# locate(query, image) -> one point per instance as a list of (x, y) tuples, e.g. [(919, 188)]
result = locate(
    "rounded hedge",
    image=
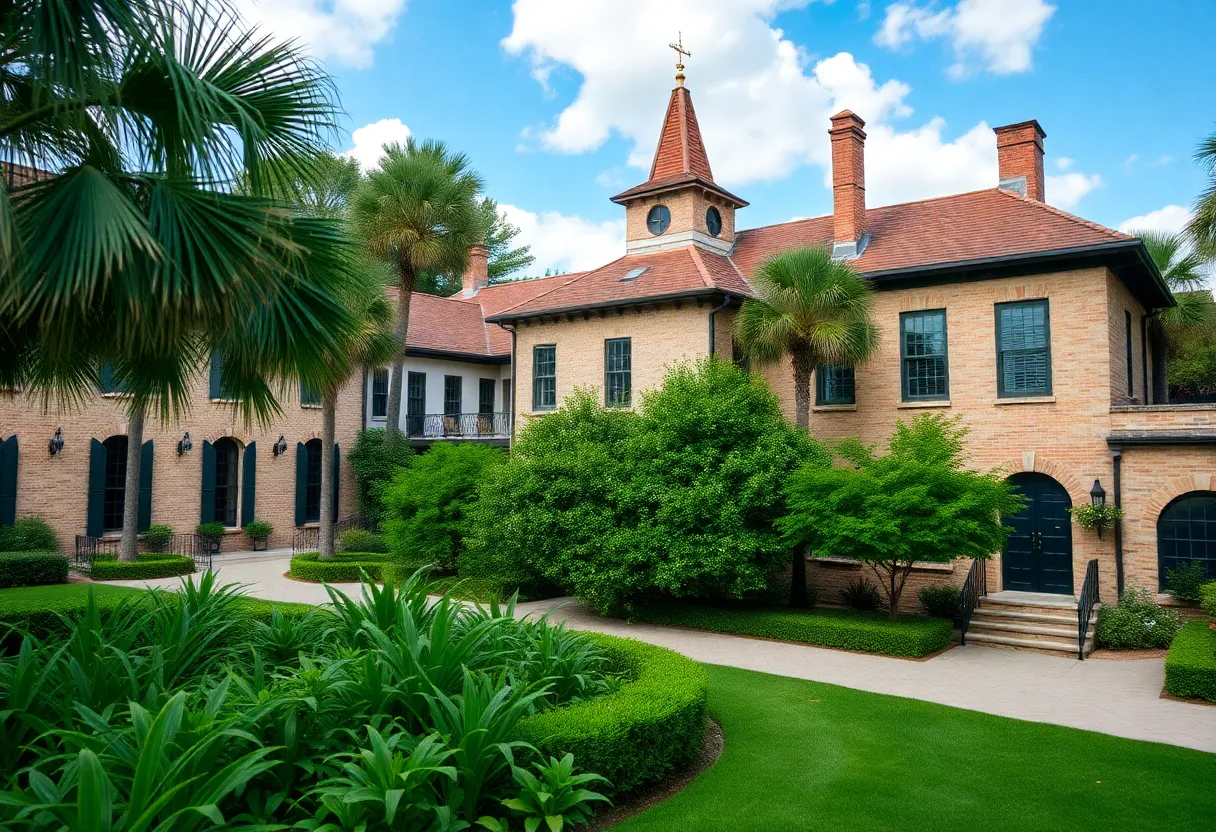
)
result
[(144, 567), (32, 568), (653, 725), (346, 567), (1190, 665)]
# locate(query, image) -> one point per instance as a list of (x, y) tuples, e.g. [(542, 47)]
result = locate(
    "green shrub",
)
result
[(866, 632), (28, 534), (32, 568), (345, 567), (213, 529), (1185, 579), (941, 601), (861, 595), (1207, 598), (257, 529), (145, 567), (157, 537), (361, 540), (1190, 665), (652, 725), (375, 460), (1137, 622)]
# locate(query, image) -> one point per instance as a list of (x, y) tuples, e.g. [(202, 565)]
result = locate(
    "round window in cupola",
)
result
[(713, 221), (658, 219)]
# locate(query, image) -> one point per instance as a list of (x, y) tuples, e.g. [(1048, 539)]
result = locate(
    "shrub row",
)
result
[(28, 534), (345, 567), (653, 725), (144, 567), (1190, 665), (32, 568), (1207, 598), (911, 636)]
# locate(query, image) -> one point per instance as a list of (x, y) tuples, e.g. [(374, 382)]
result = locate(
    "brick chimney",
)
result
[(848, 184), (1019, 153), (477, 275)]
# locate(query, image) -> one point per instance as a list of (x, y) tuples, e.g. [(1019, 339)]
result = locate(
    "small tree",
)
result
[(915, 503)]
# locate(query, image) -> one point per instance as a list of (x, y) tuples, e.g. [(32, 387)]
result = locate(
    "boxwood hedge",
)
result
[(144, 567), (652, 725), (345, 567), (1207, 598), (1190, 665), (32, 568), (867, 632)]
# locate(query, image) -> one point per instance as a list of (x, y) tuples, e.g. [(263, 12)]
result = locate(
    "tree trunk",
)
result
[(326, 532), (392, 428), (798, 597), (129, 544), (1160, 372), (803, 366)]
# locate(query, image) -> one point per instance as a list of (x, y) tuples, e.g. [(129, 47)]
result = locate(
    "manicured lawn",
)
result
[(56, 596), (808, 756)]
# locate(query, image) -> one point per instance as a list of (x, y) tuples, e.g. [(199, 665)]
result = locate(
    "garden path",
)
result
[(1122, 698)]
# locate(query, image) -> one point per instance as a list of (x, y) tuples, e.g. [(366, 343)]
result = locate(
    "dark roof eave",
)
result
[(707, 291), (1117, 442), (453, 355), (639, 191)]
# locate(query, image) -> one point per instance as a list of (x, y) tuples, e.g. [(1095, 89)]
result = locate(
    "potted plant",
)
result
[(1098, 517), (258, 531), (157, 537), (211, 533)]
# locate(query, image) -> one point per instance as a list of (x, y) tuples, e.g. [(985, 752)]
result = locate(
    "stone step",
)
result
[(999, 614), (1054, 646), (1054, 631)]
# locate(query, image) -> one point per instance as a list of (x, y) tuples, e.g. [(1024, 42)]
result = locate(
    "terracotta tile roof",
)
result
[(17, 175), (499, 296), (680, 149)]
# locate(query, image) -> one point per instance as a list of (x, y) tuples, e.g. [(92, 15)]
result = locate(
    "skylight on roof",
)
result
[(634, 274)]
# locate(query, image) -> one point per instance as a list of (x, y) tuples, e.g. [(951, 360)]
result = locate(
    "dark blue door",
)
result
[(1038, 557)]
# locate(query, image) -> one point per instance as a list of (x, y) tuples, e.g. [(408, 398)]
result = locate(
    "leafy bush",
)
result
[(375, 460), (258, 529), (1185, 579), (360, 540), (1190, 665), (213, 529), (652, 725), (426, 506), (941, 601), (865, 632), (346, 567), (28, 534), (145, 567), (157, 537), (861, 594), (676, 498), (558, 797), (1137, 622), (1207, 596), (32, 568)]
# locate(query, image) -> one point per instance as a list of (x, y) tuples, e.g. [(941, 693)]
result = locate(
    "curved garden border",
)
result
[(145, 567), (346, 567)]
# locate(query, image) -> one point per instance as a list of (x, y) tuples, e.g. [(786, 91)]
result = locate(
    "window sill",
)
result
[(310, 406), (223, 401), (918, 566), (314, 524), (834, 408), (1026, 400), (924, 404), (115, 394)]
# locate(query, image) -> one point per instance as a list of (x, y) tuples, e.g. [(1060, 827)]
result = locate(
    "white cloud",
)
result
[(1161, 160), (370, 140), (919, 164), (993, 35), (1066, 190), (1170, 219), (343, 31), (1064, 163), (571, 243)]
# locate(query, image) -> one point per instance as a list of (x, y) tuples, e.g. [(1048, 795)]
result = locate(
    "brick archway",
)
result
[(242, 438), (1039, 463), (1175, 488), (114, 429)]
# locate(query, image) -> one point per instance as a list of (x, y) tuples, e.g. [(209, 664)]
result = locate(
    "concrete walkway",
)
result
[(1122, 698)]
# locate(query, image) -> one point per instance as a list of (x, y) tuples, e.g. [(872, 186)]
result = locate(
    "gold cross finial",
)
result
[(681, 54)]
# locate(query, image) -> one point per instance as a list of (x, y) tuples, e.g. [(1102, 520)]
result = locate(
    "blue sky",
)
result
[(558, 102)]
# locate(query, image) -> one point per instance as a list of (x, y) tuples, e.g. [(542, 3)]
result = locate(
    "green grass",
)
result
[(33, 598), (810, 756)]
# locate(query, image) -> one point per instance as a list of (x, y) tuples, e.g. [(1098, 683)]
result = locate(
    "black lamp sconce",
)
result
[(184, 444), (280, 447), (1097, 498), (56, 444)]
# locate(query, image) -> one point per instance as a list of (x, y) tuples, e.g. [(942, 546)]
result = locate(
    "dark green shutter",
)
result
[(249, 482), (337, 479), (8, 481), (216, 378), (301, 483), (144, 518), (207, 504), (94, 517)]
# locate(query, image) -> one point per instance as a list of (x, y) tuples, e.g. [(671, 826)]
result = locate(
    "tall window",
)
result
[(1023, 349), (451, 395), (485, 396), (379, 393), (308, 396), (544, 377), (415, 403), (1131, 367), (109, 385), (1186, 533), (116, 484), (226, 493), (835, 385), (215, 380), (618, 372), (312, 482), (922, 348)]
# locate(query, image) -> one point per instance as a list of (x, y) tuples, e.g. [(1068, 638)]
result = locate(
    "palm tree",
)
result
[(1202, 228), (1182, 266), (133, 247), (418, 211), (816, 310)]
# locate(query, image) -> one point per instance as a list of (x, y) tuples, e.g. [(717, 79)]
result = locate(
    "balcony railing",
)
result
[(458, 426)]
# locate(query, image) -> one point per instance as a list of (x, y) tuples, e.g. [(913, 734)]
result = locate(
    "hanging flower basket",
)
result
[(1089, 516)]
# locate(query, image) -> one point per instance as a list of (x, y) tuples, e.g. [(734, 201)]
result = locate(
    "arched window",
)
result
[(227, 454), (1186, 531), (312, 493), (116, 484)]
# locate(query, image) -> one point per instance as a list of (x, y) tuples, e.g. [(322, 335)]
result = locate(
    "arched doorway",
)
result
[(1186, 532), (1038, 557)]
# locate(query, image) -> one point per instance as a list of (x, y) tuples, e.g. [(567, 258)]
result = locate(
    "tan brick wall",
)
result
[(829, 577), (1121, 302), (687, 213), (56, 488)]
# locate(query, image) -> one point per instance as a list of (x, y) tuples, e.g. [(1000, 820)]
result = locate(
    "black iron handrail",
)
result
[(458, 425), (974, 587), (1090, 596), (190, 546), (309, 539)]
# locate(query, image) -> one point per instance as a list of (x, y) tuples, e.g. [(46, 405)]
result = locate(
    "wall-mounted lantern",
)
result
[(1097, 494), (56, 444), (280, 447), (184, 444)]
